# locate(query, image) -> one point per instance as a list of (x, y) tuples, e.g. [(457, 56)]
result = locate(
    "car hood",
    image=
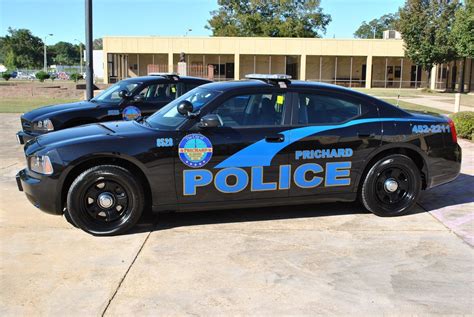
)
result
[(44, 112), (90, 132)]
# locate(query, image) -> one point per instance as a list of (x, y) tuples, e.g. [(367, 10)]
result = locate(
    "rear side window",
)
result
[(319, 109)]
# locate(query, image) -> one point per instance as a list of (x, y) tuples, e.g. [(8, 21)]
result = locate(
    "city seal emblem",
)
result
[(195, 150), (131, 113)]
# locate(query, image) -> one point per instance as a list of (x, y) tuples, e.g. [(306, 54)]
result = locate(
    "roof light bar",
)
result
[(172, 76), (268, 76)]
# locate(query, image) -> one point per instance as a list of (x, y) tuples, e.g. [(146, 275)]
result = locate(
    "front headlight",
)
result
[(43, 125), (40, 164)]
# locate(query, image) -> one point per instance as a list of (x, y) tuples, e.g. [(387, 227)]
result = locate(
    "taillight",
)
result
[(454, 135)]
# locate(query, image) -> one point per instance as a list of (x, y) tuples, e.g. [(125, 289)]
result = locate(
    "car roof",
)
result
[(165, 79), (256, 83)]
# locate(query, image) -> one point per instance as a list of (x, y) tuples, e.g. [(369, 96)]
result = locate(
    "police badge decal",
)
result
[(195, 150)]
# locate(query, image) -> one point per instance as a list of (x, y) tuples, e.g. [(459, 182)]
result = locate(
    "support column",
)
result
[(106, 66), (368, 72), (434, 71), (236, 66), (170, 62), (303, 67)]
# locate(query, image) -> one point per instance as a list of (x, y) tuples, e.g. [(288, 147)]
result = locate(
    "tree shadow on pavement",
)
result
[(460, 191), (169, 220)]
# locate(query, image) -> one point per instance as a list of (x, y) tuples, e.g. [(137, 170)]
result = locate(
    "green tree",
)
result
[(463, 35), (374, 28), (426, 26), (64, 53), (275, 18), (97, 44), (20, 48)]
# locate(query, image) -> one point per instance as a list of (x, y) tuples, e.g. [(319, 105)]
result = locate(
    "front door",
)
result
[(242, 159), (330, 143)]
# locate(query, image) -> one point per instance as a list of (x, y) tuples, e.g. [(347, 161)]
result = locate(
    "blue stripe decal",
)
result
[(261, 153)]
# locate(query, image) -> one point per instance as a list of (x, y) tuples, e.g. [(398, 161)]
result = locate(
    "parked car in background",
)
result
[(129, 99)]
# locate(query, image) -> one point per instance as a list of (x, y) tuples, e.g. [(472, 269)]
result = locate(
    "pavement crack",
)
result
[(126, 273)]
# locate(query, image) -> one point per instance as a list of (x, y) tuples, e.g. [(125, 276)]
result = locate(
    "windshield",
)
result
[(111, 94), (168, 117)]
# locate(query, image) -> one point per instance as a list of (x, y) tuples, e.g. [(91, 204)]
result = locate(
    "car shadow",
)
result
[(169, 220), (460, 191)]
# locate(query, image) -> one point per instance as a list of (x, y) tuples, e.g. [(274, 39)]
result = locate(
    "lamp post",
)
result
[(44, 51), (187, 31), (80, 52)]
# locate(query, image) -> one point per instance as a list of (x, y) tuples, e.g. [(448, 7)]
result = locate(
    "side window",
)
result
[(316, 109), (158, 92), (252, 110)]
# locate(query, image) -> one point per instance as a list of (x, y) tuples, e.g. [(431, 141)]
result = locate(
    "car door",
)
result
[(242, 159), (332, 136)]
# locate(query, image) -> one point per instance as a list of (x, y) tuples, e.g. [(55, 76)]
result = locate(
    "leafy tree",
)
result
[(97, 44), (463, 35), (20, 48), (425, 26), (65, 53), (375, 28), (275, 18)]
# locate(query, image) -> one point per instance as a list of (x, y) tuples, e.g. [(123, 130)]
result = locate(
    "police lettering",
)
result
[(233, 179)]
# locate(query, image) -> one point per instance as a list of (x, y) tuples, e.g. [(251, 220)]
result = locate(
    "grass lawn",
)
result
[(20, 105), (411, 106)]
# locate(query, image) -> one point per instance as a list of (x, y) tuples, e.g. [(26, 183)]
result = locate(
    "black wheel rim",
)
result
[(394, 186), (106, 201)]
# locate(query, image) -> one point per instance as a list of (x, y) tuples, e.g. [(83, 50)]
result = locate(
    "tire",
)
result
[(381, 196), (105, 200)]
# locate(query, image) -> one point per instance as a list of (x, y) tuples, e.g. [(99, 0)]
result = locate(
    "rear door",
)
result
[(244, 155), (331, 138)]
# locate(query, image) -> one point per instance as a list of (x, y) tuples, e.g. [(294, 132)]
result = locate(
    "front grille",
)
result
[(26, 125)]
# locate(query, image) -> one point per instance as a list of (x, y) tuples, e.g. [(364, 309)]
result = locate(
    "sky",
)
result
[(65, 18)]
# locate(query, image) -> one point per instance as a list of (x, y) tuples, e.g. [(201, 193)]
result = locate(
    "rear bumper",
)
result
[(40, 191), (447, 168), (23, 137)]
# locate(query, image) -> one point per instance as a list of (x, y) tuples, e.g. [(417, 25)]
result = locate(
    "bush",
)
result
[(42, 76), (464, 122), (6, 76), (76, 77)]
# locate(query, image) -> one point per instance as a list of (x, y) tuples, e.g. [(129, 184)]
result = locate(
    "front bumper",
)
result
[(40, 191), (23, 137)]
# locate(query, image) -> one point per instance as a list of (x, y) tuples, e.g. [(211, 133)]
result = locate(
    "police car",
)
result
[(127, 100), (260, 142)]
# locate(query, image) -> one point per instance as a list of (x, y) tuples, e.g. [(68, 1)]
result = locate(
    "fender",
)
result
[(396, 146)]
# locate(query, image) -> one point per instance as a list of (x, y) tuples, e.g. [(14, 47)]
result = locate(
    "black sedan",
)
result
[(266, 141), (129, 99)]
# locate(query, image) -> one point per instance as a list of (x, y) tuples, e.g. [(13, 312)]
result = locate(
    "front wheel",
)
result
[(105, 200), (392, 186)]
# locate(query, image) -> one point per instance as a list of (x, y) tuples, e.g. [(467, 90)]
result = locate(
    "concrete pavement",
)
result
[(319, 259)]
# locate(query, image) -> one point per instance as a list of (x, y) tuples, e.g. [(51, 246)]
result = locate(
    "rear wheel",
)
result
[(105, 200), (392, 186)]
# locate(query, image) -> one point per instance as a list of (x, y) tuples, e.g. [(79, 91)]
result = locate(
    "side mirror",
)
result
[(138, 98), (185, 108), (211, 121), (123, 94)]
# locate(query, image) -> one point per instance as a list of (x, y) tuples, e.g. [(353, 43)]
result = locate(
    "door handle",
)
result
[(366, 135), (277, 138)]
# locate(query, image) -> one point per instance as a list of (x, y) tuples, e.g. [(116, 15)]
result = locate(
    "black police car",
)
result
[(129, 99), (261, 142)]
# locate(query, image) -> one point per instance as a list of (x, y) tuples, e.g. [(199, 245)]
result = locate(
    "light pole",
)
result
[(80, 52), (187, 31), (45, 57)]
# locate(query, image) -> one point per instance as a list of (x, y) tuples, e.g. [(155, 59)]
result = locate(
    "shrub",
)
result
[(6, 76), (464, 122), (42, 76), (76, 77)]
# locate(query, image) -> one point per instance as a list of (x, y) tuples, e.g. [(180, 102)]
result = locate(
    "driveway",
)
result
[(298, 260)]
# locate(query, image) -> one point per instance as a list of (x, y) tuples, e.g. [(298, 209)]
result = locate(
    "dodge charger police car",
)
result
[(260, 142), (127, 100)]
